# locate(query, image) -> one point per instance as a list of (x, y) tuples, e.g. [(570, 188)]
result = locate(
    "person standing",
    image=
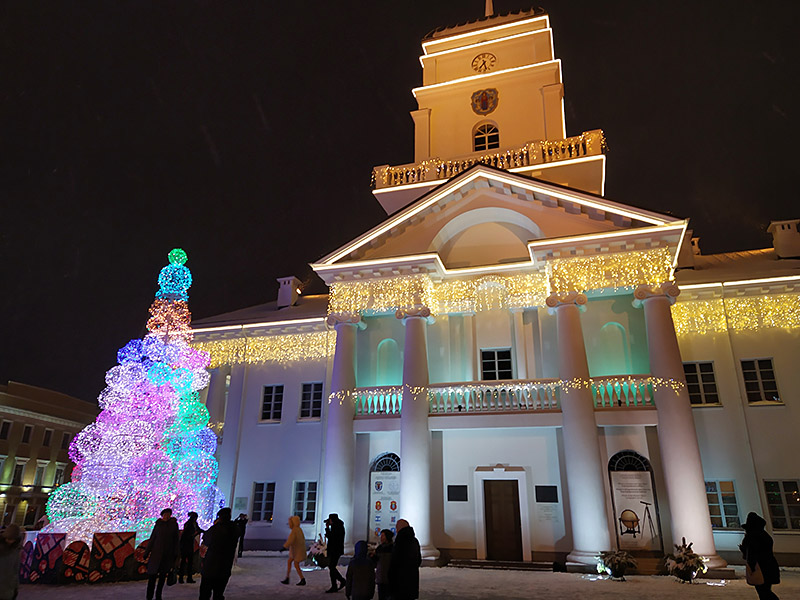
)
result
[(220, 543), (360, 579), (190, 531), (406, 560), (756, 549), (241, 523), (161, 553), (334, 533), (10, 549), (296, 543), (382, 559)]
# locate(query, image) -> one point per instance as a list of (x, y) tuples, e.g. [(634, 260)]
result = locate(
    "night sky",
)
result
[(245, 133)]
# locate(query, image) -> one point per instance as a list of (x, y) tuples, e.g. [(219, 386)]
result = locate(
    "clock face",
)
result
[(484, 62)]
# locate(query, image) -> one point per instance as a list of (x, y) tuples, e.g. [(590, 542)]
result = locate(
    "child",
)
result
[(360, 580)]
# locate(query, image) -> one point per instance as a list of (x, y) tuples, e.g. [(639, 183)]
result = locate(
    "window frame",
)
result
[(66, 438), (272, 413), (496, 360), (7, 434), (718, 492), (785, 505), (301, 502), (484, 131), (47, 438), (20, 462), (56, 480), (267, 504), (311, 400), (702, 392), (27, 432), (759, 380), (41, 467)]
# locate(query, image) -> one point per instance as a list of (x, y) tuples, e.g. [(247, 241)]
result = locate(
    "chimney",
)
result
[(786, 238), (288, 291)]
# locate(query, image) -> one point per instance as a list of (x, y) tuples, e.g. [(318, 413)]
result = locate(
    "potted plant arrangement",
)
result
[(318, 553), (615, 563), (685, 564)]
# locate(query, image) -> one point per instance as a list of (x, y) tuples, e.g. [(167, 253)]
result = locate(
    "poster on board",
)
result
[(635, 513), (384, 502)]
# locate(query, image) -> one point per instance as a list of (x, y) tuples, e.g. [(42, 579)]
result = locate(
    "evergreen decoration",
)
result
[(615, 563), (685, 564)]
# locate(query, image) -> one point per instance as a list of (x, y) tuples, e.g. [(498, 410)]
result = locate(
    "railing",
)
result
[(491, 396), (630, 391), (590, 143), (627, 391)]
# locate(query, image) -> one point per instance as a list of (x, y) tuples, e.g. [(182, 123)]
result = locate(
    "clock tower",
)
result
[(492, 93)]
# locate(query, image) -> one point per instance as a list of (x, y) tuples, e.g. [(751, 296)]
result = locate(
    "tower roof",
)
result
[(469, 26)]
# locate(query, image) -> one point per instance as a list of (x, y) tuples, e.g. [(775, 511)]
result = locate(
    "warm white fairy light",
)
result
[(269, 348), (615, 270), (745, 313)]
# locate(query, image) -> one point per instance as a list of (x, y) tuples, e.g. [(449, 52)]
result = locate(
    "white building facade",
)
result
[(520, 367)]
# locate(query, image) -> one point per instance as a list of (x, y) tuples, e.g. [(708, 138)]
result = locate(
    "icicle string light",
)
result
[(271, 348), (748, 313), (615, 270), (150, 447)]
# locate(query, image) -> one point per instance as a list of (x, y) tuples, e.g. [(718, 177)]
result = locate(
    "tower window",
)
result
[(487, 137)]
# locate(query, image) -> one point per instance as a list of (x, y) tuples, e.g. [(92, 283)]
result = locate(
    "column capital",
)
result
[(418, 310), (667, 290), (555, 300), (346, 318)]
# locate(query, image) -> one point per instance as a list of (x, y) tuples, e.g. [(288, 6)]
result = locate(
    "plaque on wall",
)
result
[(384, 502)]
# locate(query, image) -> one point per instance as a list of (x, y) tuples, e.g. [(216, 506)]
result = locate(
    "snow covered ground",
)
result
[(257, 577)]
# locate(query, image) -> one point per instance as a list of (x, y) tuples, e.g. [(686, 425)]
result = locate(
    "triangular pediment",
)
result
[(487, 216)]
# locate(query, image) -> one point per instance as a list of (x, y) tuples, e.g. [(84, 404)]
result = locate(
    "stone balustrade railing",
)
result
[(382, 400), (590, 143), (627, 391)]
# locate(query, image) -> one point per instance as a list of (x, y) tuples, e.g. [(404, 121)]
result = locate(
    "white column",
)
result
[(585, 470), (337, 482), (215, 396), (519, 343), (415, 437), (677, 437)]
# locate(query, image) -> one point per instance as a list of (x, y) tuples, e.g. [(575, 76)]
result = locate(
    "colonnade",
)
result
[(585, 471)]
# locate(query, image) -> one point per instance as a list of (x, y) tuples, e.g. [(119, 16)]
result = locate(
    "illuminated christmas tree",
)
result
[(150, 447)]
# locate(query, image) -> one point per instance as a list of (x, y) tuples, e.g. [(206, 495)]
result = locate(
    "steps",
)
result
[(462, 563)]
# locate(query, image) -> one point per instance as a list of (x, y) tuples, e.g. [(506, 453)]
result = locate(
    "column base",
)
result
[(429, 552), (583, 557), (715, 561)]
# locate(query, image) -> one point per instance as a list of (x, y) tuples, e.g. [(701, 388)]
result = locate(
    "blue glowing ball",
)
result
[(174, 280)]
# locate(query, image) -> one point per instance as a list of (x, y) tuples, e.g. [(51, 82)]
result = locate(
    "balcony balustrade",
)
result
[(590, 143), (633, 391)]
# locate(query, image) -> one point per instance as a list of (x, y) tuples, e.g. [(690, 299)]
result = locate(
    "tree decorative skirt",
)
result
[(150, 447)]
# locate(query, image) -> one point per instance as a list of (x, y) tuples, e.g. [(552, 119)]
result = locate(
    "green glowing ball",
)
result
[(177, 257)]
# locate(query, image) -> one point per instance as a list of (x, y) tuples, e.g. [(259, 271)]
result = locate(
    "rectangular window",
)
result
[(30, 516), (48, 437), (58, 478), (38, 478), (722, 505), (263, 501), (546, 493), (19, 469), (5, 430), (759, 380), (496, 364), (305, 500), (26, 434), (783, 500), (701, 383), (65, 439), (272, 403), (457, 493), (311, 401)]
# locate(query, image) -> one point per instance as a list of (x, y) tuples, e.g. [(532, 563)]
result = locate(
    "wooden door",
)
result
[(503, 528)]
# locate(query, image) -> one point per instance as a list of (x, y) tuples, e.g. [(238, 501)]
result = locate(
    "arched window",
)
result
[(487, 136), (388, 461)]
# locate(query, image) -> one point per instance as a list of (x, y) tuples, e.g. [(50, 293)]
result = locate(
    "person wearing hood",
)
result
[(382, 560), (756, 549), (10, 549), (190, 531), (406, 560), (220, 541), (360, 578), (296, 543), (162, 552)]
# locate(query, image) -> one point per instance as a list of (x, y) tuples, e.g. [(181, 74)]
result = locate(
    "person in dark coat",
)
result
[(190, 531), (360, 579), (161, 553), (10, 549), (382, 559), (756, 548), (406, 560), (220, 541), (241, 523), (334, 532)]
